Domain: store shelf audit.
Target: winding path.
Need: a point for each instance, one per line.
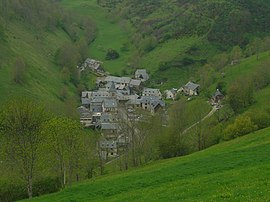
(214, 109)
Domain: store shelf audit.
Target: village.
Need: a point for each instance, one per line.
(119, 101)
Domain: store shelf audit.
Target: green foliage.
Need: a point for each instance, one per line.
(261, 76)
(42, 152)
(148, 44)
(223, 22)
(219, 61)
(236, 54)
(20, 131)
(237, 171)
(112, 54)
(182, 115)
(16, 191)
(241, 126)
(261, 118)
(240, 94)
(35, 31)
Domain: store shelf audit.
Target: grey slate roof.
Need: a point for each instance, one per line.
(125, 80)
(135, 82)
(84, 112)
(109, 126)
(173, 90)
(106, 118)
(218, 93)
(97, 100)
(151, 91)
(155, 103)
(192, 86)
(133, 102)
(85, 101)
(110, 103)
(141, 73)
(148, 99)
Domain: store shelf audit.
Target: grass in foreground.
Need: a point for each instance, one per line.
(238, 170)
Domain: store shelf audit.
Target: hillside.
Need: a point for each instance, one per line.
(221, 46)
(228, 171)
(221, 22)
(111, 33)
(175, 38)
(32, 34)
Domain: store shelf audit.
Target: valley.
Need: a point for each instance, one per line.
(116, 100)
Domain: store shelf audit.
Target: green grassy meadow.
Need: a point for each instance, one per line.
(43, 81)
(110, 34)
(225, 172)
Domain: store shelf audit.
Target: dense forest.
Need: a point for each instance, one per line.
(221, 22)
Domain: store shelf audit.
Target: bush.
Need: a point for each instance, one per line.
(241, 126)
(260, 118)
(14, 192)
(163, 66)
(240, 94)
(148, 44)
(112, 54)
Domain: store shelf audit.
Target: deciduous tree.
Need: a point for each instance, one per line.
(20, 129)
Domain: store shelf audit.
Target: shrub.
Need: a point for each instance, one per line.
(260, 118)
(112, 54)
(241, 126)
(14, 192)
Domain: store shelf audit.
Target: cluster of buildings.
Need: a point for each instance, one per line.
(110, 104)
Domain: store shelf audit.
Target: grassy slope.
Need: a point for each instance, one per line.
(168, 51)
(247, 67)
(232, 171)
(110, 34)
(42, 75)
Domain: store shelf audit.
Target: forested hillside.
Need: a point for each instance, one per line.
(222, 22)
(178, 37)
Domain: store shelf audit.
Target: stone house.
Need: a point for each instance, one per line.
(119, 82)
(110, 105)
(141, 74)
(109, 130)
(85, 116)
(151, 103)
(109, 148)
(217, 97)
(151, 92)
(136, 84)
(93, 65)
(171, 94)
(190, 89)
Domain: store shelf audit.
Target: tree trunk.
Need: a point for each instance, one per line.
(30, 187)
(101, 168)
(64, 178)
(90, 173)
